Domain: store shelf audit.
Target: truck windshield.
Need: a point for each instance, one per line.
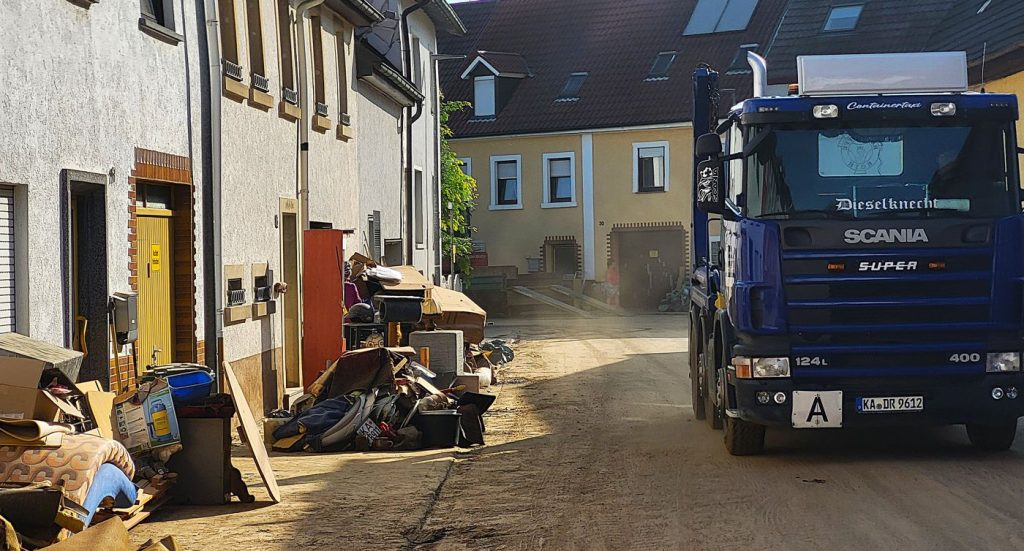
(881, 172)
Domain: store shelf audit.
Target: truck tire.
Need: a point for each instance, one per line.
(696, 390)
(992, 437)
(714, 410)
(743, 437)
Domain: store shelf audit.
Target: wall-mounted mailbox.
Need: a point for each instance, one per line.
(125, 309)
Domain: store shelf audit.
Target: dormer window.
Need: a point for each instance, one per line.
(483, 96)
(495, 77)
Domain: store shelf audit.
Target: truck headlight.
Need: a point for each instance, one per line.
(998, 362)
(765, 368)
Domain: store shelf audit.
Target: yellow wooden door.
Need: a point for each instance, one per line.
(155, 263)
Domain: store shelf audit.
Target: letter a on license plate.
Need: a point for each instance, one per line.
(817, 410)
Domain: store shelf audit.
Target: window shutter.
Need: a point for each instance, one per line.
(483, 97)
(506, 170)
(7, 300)
(560, 168)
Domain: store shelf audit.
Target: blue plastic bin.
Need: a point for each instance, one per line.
(190, 387)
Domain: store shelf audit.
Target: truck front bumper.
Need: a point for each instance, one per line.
(946, 402)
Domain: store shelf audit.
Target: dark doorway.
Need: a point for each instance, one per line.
(649, 265)
(84, 212)
(562, 258)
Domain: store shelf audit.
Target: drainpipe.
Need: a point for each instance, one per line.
(303, 170)
(212, 247)
(300, 38)
(410, 118)
(436, 59)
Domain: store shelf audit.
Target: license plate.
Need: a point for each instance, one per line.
(817, 410)
(890, 404)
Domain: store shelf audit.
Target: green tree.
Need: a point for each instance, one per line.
(458, 196)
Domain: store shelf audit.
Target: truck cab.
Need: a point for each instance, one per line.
(870, 267)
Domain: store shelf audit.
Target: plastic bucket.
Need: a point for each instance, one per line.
(440, 428)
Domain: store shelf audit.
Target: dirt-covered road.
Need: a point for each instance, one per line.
(598, 449)
(592, 445)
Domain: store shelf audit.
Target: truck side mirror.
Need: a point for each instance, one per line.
(708, 145)
(710, 188)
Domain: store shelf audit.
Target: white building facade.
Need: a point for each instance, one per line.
(98, 177)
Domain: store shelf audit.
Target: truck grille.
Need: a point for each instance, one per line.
(888, 322)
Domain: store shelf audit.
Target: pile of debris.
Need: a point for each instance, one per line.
(389, 399)
(73, 455)
(412, 377)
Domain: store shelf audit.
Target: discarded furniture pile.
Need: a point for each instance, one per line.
(411, 378)
(73, 455)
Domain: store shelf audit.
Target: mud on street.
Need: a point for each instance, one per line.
(592, 444)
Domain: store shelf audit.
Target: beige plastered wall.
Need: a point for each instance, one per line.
(513, 235)
(614, 199)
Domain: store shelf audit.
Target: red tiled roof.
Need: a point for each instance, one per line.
(615, 41)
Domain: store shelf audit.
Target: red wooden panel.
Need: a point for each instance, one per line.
(323, 302)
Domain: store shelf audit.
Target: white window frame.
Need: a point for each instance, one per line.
(419, 231)
(467, 165)
(477, 104)
(546, 184)
(495, 159)
(637, 146)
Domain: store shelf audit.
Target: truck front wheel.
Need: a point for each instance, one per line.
(992, 437)
(743, 437)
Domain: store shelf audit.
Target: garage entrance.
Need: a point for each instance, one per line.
(650, 261)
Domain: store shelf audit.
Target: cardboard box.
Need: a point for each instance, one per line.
(20, 396)
(100, 407)
(146, 419)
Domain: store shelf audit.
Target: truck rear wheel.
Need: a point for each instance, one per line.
(992, 437)
(743, 437)
(696, 376)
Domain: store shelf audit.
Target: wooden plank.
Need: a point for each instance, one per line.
(543, 299)
(589, 301)
(252, 434)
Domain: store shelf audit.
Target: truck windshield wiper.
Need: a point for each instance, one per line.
(802, 213)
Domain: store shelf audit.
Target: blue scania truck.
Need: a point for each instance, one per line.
(858, 251)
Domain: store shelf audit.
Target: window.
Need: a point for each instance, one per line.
(842, 18)
(342, 80)
(559, 180)
(719, 16)
(228, 36)
(466, 164)
(506, 174)
(154, 196)
(739, 65)
(418, 202)
(255, 29)
(571, 91)
(659, 71)
(483, 96)
(734, 168)
(650, 167)
(318, 64)
(284, 44)
(160, 12)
